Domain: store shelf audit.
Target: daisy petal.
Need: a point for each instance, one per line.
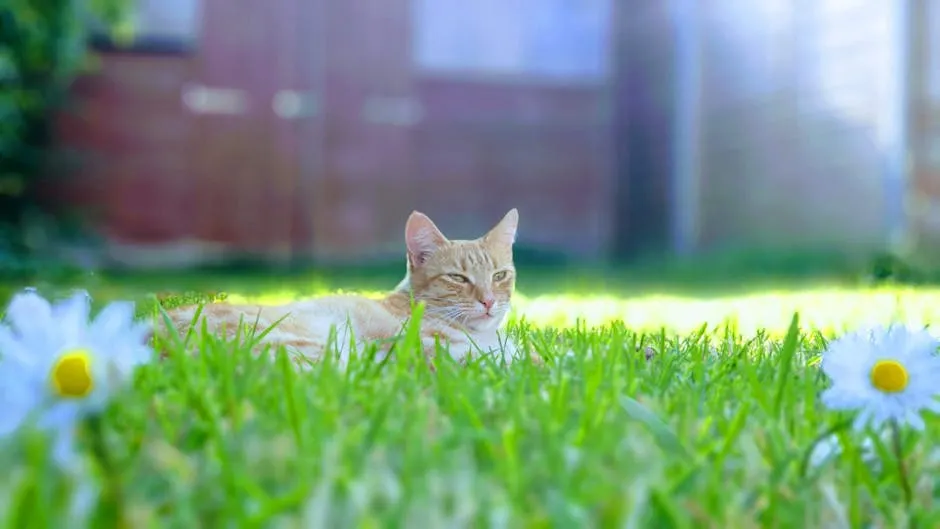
(11, 420)
(135, 356)
(85, 495)
(837, 398)
(30, 314)
(916, 421)
(113, 319)
(72, 315)
(11, 350)
(933, 406)
(139, 332)
(861, 420)
(63, 448)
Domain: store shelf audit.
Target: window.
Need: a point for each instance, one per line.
(158, 26)
(849, 49)
(556, 39)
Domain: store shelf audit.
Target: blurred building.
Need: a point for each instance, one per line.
(311, 128)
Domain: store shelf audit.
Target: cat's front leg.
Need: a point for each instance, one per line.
(462, 350)
(511, 351)
(429, 348)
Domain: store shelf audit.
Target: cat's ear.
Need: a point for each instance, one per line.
(422, 238)
(505, 231)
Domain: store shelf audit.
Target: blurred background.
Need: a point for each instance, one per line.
(181, 133)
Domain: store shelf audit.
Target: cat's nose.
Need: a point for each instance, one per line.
(488, 303)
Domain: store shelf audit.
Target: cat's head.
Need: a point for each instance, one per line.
(465, 282)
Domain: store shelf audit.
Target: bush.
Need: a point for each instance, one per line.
(42, 49)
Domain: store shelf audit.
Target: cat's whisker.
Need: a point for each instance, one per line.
(449, 314)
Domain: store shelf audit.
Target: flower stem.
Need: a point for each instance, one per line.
(805, 464)
(902, 469)
(111, 503)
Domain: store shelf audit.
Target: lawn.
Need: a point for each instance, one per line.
(714, 431)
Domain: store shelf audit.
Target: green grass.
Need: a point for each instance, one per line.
(714, 431)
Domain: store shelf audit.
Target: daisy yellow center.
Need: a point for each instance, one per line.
(71, 374)
(889, 376)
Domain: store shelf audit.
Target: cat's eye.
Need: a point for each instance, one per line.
(459, 278)
(499, 276)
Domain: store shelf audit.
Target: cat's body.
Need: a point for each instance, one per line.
(466, 287)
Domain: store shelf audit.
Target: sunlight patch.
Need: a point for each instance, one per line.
(826, 309)
(278, 297)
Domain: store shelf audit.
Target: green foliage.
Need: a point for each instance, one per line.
(715, 430)
(42, 49)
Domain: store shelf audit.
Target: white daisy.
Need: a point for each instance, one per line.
(885, 374)
(57, 366)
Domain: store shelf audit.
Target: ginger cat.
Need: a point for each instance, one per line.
(466, 285)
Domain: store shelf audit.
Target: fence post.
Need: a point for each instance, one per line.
(900, 158)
